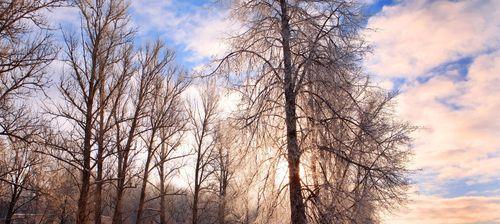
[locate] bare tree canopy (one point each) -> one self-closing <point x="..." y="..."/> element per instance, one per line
<point x="297" y="66"/>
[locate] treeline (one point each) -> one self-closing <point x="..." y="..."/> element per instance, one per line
<point x="132" y="137"/>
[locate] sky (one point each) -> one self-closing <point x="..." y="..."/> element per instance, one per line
<point x="442" y="55"/>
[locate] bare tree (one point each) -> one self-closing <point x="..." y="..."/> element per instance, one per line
<point x="307" y="108"/>
<point x="223" y="173"/>
<point x="23" y="165"/>
<point x="203" y="117"/>
<point x="26" y="50"/>
<point x="296" y="52"/>
<point x="91" y="89"/>
<point x="164" y="115"/>
<point x="127" y="132"/>
<point x="171" y="138"/>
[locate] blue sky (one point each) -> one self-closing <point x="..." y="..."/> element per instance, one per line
<point x="208" y="8"/>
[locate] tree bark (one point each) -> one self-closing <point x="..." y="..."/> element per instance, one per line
<point x="123" y="161"/>
<point x="163" y="205"/>
<point x="222" y="202"/>
<point x="85" y="178"/>
<point x="100" y="151"/>
<point x="297" y="207"/>
<point x="12" y="204"/>
<point x="195" y="201"/>
<point x="142" y="198"/>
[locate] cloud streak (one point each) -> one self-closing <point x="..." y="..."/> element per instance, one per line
<point x="436" y="210"/>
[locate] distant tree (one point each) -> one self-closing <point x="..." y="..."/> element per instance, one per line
<point x="223" y="173"/>
<point x="164" y="124"/>
<point x="226" y="159"/>
<point x="203" y="118"/>
<point x="23" y="165"/>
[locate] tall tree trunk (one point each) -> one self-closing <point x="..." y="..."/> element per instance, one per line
<point x="85" y="178"/>
<point x="197" y="178"/>
<point x="195" y="204"/>
<point x="163" y="190"/>
<point x="222" y="201"/>
<point x="10" y="213"/>
<point x="12" y="205"/>
<point x="100" y="152"/>
<point x="163" y="205"/>
<point x="117" y="214"/>
<point x="142" y="198"/>
<point x="123" y="167"/>
<point x="196" y="193"/>
<point x="98" y="193"/>
<point x="297" y="207"/>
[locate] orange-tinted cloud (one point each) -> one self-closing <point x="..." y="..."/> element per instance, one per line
<point x="456" y="103"/>
<point x="460" y="210"/>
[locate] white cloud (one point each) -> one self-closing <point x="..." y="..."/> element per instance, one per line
<point x="462" y="140"/>
<point x="62" y="16"/>
<point x="201" y="30"/>
<point x="458" y="113"/>
<point x="415" y="36"/>
<point x="459" y="119"/>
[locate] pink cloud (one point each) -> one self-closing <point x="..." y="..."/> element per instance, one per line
<point x="457" y="143"/>
<point x="459" y="118"/>
<point x="415" y="36"/>
<point x="437" y="210"/>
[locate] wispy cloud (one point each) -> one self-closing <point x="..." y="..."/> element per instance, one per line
<point x="445" y="57"/>
<point x="459" y="120"/>
<point x="413" y="37"/>
<point x="199" y="31"/>
<point x="436" y="210"/>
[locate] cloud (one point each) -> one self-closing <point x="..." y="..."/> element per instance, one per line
<point x="199" y="30"/>
<point x="445" y="56"/>
<point x="63" y="16"/>
<point x="459" y="120"/>
<point x="457" y="105"/>
<point x="413" y="37"/>
<point x="437" y="210"/>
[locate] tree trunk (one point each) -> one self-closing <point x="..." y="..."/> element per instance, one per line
<point x="98" y="193"/>
<point x="10" y="213"/>
<point x="142" y="198"/>
<point x="195" y="207"/>
<point x="196" y="193"/>
<point x="222" y="202"/>
<point x="195" y="204"/>
<point x="197" y="178"/>
<point x="100" y="153"/>
<point x="163" y="206"/>
<point x="12" y="205"/>
<point x="117" y="214"/>
<point x="123" y="163"/>
<point x="84" y="191"/>
<point x="297" y="207"/>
